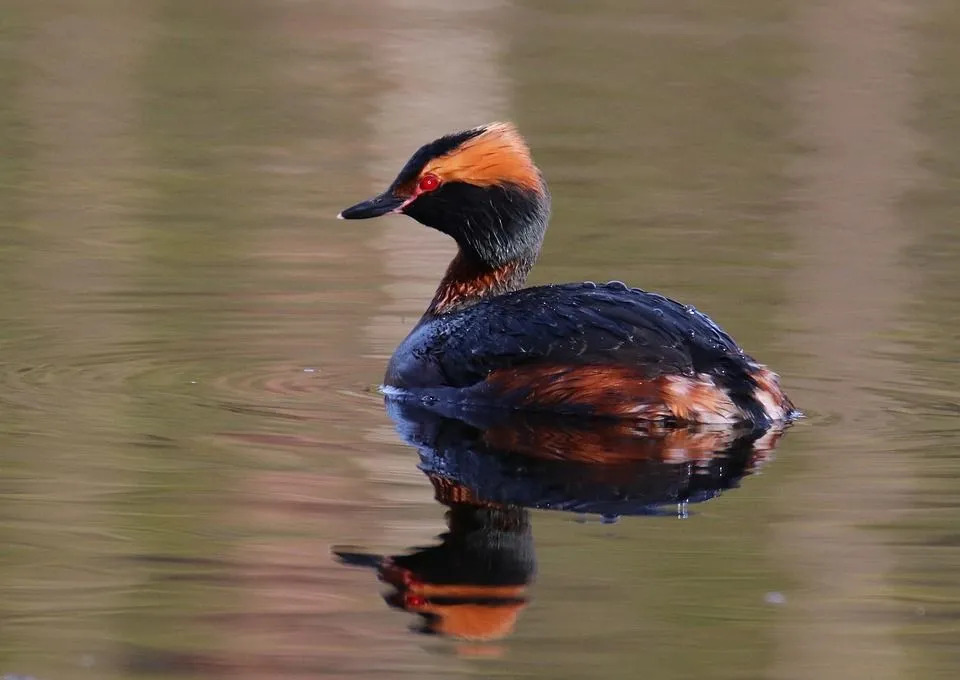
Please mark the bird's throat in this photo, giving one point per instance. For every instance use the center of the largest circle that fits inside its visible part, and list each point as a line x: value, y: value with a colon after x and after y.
x: 469, y: 281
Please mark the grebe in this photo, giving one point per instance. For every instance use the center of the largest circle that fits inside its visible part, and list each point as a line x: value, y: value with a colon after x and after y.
x: 604, y: 350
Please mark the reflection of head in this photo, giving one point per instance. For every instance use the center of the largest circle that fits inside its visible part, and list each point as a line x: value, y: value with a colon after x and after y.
x: 473, y: 584
x: 481, y: 616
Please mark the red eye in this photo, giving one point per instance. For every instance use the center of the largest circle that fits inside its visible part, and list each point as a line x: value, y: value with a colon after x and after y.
x: 428, y: 182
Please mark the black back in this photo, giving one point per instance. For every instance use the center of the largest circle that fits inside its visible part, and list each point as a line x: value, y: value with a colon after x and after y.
x: 571, y: 324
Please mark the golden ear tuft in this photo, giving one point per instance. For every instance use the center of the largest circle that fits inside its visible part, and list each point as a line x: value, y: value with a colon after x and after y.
x: 498, y: 155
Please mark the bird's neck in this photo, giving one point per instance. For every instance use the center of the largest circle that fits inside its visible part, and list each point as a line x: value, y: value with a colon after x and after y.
x: 469, y: 281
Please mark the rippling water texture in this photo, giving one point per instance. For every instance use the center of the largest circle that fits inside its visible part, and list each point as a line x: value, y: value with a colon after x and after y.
x: 190, y: 344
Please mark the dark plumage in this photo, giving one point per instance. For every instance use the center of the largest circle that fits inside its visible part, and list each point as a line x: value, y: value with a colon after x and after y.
x: 604, y: 350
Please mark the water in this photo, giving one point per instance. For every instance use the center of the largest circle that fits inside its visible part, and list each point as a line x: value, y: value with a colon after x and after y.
x: 191, y: 343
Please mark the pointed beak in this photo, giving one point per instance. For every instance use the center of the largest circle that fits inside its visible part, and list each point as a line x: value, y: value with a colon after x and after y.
x: 379, y: 205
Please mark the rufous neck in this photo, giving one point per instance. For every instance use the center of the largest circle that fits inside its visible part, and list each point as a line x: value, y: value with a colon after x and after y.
x: 469, y: 281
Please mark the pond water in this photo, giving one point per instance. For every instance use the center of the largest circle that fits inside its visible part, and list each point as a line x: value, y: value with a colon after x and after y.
x: 194, y: 458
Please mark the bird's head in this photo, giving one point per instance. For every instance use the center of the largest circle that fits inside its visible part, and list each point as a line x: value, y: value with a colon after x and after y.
x: 479, y: 186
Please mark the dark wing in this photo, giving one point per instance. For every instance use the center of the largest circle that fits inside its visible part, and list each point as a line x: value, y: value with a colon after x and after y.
x: 583, y: 324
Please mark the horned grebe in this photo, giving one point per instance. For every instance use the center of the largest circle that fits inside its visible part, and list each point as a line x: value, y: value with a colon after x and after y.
x: 584, y: 348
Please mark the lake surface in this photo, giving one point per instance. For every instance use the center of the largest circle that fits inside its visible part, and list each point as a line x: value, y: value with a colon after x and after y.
x: 190, y: 343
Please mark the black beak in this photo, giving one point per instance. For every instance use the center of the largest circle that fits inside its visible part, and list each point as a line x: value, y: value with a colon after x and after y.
x: 379, y: 205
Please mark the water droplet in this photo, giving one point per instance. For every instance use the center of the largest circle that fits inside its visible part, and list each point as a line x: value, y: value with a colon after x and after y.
x: 775, y: 597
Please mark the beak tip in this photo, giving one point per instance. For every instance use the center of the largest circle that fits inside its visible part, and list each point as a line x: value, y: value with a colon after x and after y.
x: 340, y: 216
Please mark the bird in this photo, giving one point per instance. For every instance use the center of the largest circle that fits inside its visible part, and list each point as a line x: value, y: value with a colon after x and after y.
x: 601, y: 350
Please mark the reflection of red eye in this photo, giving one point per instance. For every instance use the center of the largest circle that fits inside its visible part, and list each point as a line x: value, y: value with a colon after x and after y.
x: 428, y: 182
x: 413, y: 601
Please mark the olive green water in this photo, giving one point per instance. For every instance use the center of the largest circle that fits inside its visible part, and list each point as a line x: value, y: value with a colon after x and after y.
x: 189, y: 343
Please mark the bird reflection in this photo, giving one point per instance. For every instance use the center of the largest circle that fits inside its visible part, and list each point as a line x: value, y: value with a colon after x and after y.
x: 488, y: 468
x: 472, y: 585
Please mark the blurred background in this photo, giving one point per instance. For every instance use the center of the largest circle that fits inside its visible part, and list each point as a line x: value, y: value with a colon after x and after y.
x: 190, y: 343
